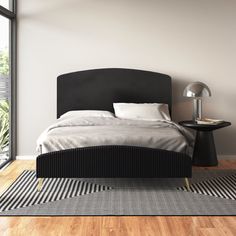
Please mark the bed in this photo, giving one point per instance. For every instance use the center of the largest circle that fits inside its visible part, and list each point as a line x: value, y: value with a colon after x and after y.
x: 98, y: 89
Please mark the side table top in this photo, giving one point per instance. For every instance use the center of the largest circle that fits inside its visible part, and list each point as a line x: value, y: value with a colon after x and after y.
x: 203, y: 127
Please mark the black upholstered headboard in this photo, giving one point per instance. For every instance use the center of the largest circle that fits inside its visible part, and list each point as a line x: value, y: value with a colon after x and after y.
x: 98, y: 89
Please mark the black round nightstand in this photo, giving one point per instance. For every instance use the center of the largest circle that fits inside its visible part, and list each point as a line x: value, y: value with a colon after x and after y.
x: 204, y: 153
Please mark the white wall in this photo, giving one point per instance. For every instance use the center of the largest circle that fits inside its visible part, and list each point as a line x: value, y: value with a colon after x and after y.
x: 187, y: 39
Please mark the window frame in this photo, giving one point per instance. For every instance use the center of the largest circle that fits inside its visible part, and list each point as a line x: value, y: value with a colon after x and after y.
x: 11, y: 15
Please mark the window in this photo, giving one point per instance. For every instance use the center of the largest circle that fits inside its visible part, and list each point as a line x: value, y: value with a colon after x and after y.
x: 7, y: 80
x: 5, y: 4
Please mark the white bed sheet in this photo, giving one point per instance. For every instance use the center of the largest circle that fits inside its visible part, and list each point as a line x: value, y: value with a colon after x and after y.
x: 74, y: 132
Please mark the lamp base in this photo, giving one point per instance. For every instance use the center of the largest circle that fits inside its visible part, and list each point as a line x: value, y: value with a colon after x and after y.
x: 197, y: 109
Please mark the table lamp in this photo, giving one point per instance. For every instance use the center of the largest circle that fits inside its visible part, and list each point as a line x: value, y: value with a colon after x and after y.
x: 197, y: 90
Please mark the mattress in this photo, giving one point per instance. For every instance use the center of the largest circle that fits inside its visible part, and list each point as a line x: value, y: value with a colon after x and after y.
x: 75, y: 132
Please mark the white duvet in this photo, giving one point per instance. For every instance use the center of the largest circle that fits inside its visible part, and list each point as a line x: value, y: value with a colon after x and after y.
x: 74, y: 132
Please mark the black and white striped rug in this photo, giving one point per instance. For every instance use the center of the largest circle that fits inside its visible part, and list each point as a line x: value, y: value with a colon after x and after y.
x: 23, y: 192
x: 223, y: 187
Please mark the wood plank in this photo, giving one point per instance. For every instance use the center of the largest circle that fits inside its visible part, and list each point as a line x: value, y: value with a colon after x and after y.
x: 127, y: 225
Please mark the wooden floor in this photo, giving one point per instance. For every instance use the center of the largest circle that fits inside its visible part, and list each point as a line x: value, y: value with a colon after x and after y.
x: 135, y: 226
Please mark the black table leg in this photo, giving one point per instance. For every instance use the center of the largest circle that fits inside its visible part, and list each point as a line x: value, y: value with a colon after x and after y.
x: 204, y: 153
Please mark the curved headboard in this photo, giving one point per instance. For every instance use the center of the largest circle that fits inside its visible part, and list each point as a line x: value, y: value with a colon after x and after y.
x: 97, y: 89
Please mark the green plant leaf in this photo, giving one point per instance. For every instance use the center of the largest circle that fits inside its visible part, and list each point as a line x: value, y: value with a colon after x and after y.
x: 4, y: 124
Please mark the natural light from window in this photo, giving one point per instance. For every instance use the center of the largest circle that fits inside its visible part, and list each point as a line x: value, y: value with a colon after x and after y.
x: 5, y: 3
x: 4, y: 89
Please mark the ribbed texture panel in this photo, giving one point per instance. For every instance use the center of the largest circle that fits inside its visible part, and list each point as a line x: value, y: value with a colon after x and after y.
x: 114, y: 161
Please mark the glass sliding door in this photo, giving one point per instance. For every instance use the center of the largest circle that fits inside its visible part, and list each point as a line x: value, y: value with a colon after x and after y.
x: 7, y: 81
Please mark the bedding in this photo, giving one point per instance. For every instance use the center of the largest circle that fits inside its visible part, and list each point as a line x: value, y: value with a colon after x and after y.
x: 74, y: 132
x: 142, y: 111
x: 87, y: 113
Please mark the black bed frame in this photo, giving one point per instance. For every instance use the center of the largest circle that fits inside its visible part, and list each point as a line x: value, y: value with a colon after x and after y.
x: 97, y: 90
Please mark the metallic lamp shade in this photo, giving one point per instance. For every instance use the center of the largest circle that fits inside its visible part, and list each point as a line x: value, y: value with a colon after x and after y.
x: 197, y: 90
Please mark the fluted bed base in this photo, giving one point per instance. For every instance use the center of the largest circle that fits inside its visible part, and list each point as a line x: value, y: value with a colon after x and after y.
x: 113, y: 161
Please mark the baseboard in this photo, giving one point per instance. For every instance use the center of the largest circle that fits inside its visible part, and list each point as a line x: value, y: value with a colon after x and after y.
x: 226, y: 157
x: 33, y: 157
x: 26, y: 157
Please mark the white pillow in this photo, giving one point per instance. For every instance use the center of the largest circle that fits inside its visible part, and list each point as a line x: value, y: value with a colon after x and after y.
x: 88, y: 113
x: 142, y: 111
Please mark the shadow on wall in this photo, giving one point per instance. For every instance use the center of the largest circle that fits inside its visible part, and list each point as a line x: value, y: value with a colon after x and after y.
x: 182, y: 106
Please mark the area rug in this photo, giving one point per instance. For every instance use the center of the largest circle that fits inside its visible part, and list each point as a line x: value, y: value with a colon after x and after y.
x: 23, y: 192
x: 224, y: 187
x: 120, y: 196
